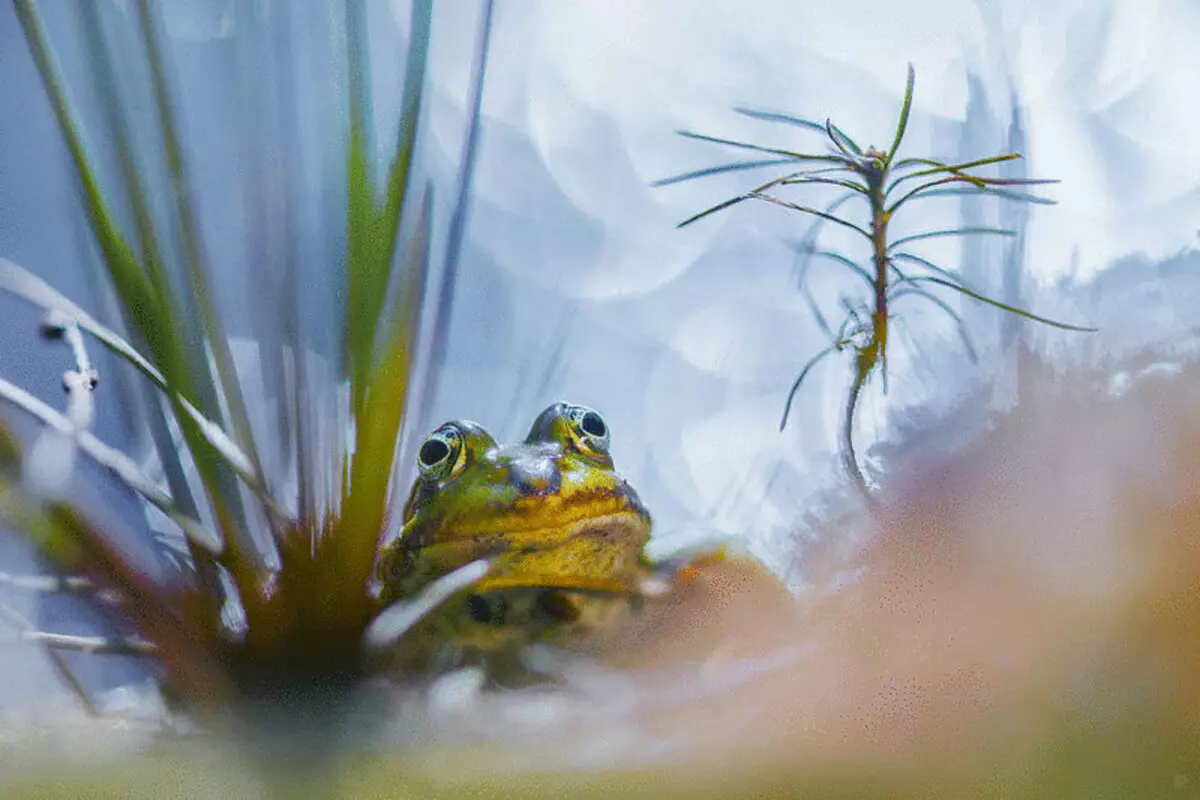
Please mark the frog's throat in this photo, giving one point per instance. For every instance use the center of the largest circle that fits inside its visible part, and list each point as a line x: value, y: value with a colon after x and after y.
x: 602, y: 553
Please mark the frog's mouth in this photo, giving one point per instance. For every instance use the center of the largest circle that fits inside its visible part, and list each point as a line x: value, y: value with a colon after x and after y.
x: 596, y: 554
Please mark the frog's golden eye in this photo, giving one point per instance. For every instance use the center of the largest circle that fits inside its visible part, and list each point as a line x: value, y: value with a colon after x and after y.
x: 443, y: 455
x: 589, y: 429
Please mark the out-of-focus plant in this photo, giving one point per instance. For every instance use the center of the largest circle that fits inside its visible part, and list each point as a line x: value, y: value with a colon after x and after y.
x: 277, y: 598
x: 886, y: 184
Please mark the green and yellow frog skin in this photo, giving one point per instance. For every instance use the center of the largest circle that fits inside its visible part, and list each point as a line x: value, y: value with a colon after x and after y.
x: 563, y: 532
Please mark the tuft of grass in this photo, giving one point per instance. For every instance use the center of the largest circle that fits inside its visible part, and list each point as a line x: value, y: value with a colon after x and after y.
x: 298, y: 569
x: 884, y: 183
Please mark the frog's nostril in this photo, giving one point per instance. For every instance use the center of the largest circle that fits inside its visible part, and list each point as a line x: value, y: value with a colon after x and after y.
x: 535, y: 476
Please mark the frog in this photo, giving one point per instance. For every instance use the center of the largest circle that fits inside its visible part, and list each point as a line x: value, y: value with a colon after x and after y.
x: 565, y: 537
x: 563, y: 532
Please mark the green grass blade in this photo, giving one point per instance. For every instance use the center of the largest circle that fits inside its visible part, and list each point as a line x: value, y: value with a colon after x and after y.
x: 736, y: 166
x: 929, y: 265
x: 1003, y: 194
x: 814, y: 230
x: 414, y: 86
x: 853, y: 186
x: 772, y: 150
x: 840, y: 140
x: 815, y: 310
x: 1002, y: 306
x: 902, y: 125
x: 969, y: 231
x: 712, y: 210
x: 978, y: 185
x: 975, y: 182
x: 365, y: 506
x: 365, y: 277
x: 373, y: 230
x: 808, y: 210
x: 839, y: 258
x: 938, y: 167
x: 185, y: 220
x: 189, y: 373
x: 100, y: 61
x: 774, y: 116
x: 130, y: 283
x: 796, y: 177
x: 184, y: 368
x: 812, y: 362
x: 361, y: 268
x: 139, y: 297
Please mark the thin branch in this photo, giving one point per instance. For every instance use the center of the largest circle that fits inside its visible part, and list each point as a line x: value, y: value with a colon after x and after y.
x: 854, y: 186
x: 951, y: 232
x: 1003, y: 306
x: 814, y: 230
x: 979, y: 184
x: 811, y: 176
x: 812, y: 362
x: 807, y: 210
x: 736, y: 166
x: 835, y: 159
x: 852, y: 315
x: 199, y: 274
x: 841, y: 141
x: 976, y: 182
x: 968, y: 345
x: 1003, y: 194
x: 815, y: 310
x: 839, y: 258
x: 756, y: 191
x: 929, y: 265
x: 787, y: 119
x: 733, y: 201
x: 938, y: 167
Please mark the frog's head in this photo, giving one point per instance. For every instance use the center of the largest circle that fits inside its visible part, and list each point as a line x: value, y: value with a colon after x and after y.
x: 549, y: 513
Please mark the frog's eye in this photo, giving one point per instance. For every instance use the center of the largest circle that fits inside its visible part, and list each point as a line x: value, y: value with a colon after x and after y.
x: 443, y: 455
x: 589, y: 429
